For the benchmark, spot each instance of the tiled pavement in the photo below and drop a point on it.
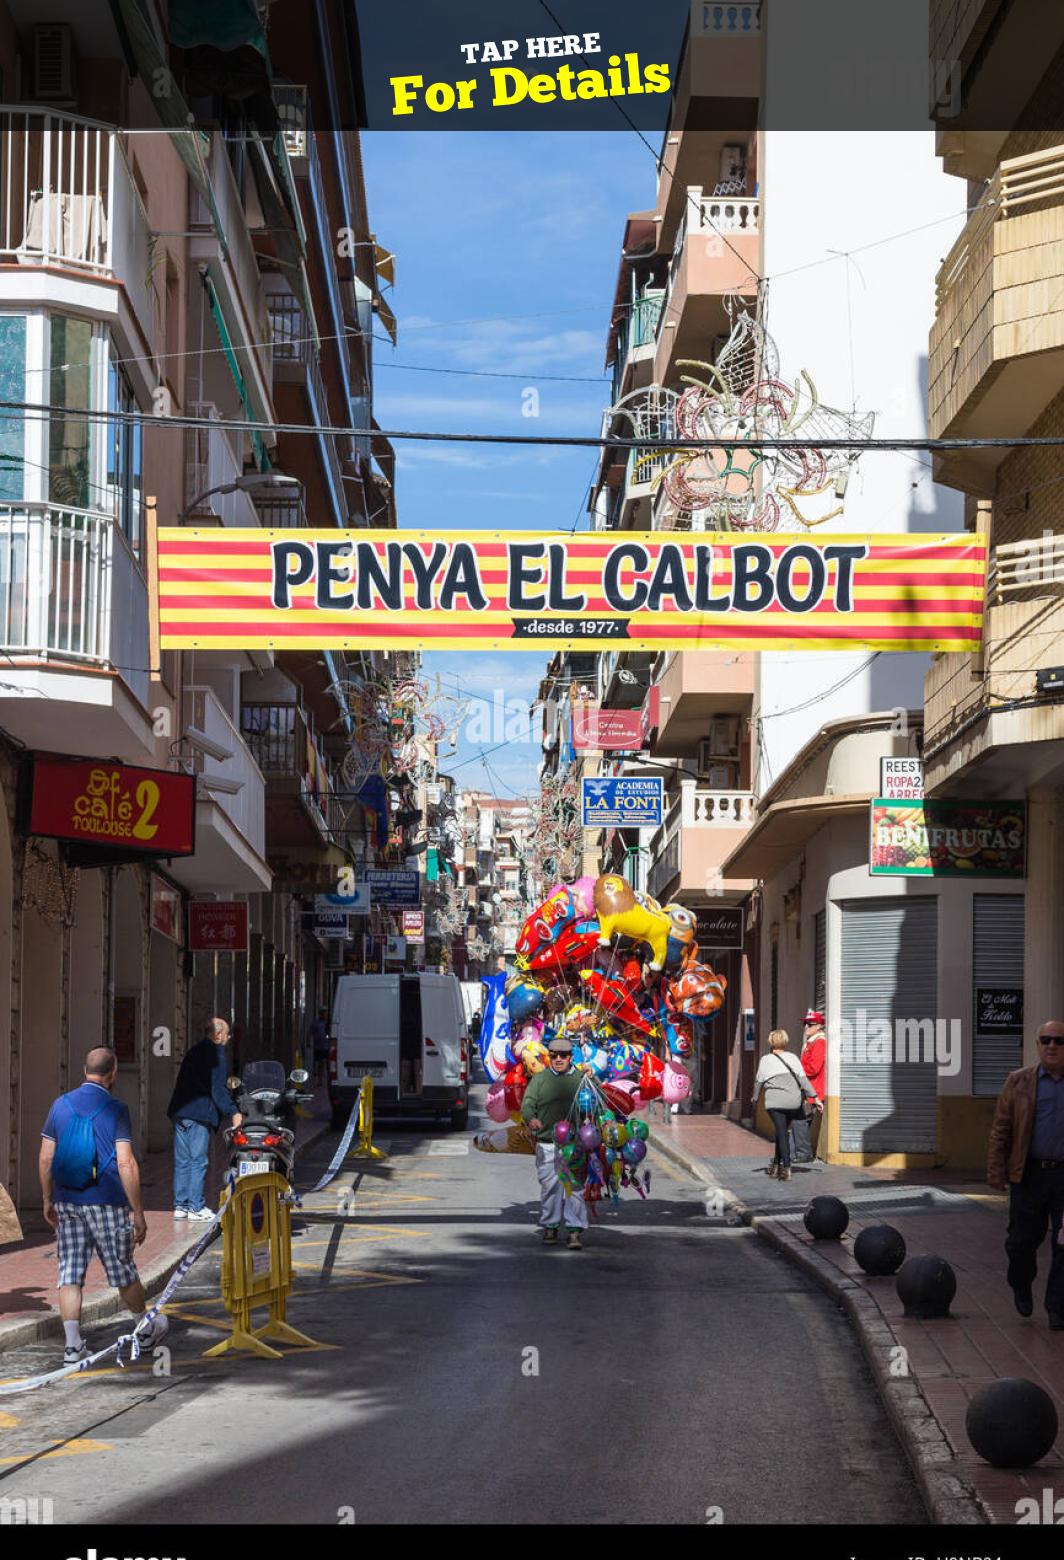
(984, 1339)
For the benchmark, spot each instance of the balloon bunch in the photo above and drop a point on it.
(619, 976)
(601, 1145)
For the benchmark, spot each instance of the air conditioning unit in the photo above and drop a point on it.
(54, 63)
(719, 775)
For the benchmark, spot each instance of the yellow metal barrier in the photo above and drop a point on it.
(365, 1149)
(257, 1264)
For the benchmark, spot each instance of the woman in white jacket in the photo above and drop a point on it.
(785, 1084)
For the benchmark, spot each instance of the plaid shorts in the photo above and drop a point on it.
(105, 1229)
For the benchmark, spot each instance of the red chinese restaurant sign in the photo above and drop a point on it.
(217, 926)
(95, 803)
(232, 588)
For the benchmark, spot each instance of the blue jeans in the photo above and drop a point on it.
(192, 1141)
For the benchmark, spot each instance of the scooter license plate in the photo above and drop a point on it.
(254, 1166)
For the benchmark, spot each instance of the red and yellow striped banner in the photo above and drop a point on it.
(222, 588)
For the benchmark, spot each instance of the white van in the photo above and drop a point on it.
(409, 1034)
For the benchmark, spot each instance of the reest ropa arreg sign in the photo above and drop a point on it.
(485, 590)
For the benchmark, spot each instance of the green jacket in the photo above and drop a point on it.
(550, 1096)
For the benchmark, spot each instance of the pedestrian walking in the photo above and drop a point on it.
(548, 1100)
(198, 1106)
(805, 1133)
(90, 1183)
(785, 1085)
(318, 1039)
(1026, 1155)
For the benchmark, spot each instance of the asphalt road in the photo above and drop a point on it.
(675, 1370)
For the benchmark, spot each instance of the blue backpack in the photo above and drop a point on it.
(74, 1164)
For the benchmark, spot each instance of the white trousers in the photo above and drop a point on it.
(554, 1200)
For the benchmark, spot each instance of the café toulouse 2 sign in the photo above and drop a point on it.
(94, 803)
(227, 588)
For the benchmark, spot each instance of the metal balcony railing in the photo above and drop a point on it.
(71, 589)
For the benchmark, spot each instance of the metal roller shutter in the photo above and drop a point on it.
(820, 961)
(890, 973)
(997, 960)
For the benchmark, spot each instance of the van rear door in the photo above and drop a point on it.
(443, 1026)
(366, 1026)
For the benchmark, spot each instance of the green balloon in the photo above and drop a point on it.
(638, 1129)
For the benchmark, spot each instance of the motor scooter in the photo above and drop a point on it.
(265, 1139)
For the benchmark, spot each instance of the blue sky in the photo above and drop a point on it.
(506, 249)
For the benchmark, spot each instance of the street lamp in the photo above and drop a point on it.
(253, 482)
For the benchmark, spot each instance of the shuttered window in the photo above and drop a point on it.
(820, 961)
(997, 961)
(888, 1080)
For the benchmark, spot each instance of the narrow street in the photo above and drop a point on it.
(682, 1373)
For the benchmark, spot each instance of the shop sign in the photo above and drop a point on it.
(149, 810)
(901, 779)
(720, 929)
(999, 1010)
(396, 889)
(414, 925)
(218, 926)
(947, 837)
(165, 909)
(625, 802)
(231, 588)
(355, 903)
(330, 924)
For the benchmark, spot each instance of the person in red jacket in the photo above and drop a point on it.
(814, 1065)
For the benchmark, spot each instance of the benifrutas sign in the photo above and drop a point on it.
(232, 588)
(942, 837)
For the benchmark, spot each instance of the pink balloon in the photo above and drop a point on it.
(631, 1088)
(495, 1104)
(675, 1084)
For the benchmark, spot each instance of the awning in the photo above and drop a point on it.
(384, 263)
(387, 319)
(234, 368)
(784, 828)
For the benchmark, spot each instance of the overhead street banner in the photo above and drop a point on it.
(230, 588)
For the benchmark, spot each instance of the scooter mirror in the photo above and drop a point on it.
(299, 1076)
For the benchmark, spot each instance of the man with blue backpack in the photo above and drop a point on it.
(90, 1182)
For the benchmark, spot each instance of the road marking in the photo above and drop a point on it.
(7, 1421)
(369, 1273)
(450, 1146)
(62, 1449)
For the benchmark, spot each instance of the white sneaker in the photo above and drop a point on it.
(73, 1353)
(156, 1330)
(180, 1213)
(202, 1215)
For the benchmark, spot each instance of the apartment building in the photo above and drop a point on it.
(993, 722)
(138, 260)
(494, 834)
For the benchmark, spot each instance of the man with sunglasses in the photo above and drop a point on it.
(1027, 1155)
(548, 1100)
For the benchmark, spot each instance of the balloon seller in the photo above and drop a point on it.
(549, 1099)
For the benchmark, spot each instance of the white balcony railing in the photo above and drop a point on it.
(71, 589)
(724, 21)
(704, 216)
(67, 198)
(245, 807)
(702, 808)
(213, 458)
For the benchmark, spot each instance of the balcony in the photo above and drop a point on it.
(73, 633)
(302, 809)
(988, 71)
(1023, 630)
(69, 202)
(696, 685)
(717, 252)
(701, 829)
(636, 343)
(295, 361)
(997, 345)
(214, 457)
(230, 806)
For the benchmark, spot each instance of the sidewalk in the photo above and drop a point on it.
(947, 1214)
(27, 1271)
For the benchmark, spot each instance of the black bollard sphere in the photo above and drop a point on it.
(1011, 1423)
(826, 1218)
(879, 1250)
(926, 1285)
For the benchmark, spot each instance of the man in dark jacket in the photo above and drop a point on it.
(1027, 1155)
(198, 1106)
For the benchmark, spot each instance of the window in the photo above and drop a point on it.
(12, 388)
(124, 458)
(70, 438)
